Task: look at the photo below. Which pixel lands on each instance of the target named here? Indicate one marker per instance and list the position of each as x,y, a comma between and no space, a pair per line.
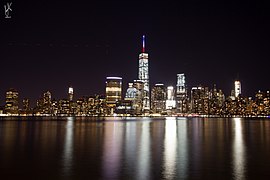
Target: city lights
141,100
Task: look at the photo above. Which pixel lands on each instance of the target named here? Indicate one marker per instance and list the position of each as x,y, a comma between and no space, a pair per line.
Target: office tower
198,97
26,104
144,75
12,101
47,102
170,102
158,98
237,88
63,106
113,90
181,94
70,93
216,100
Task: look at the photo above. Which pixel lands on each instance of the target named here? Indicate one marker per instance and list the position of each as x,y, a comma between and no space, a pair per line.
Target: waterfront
135,148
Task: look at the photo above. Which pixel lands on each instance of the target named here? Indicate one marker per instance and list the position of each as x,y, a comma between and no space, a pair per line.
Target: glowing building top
237,88
70,93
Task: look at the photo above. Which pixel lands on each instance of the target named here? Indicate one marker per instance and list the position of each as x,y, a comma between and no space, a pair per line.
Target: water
142,148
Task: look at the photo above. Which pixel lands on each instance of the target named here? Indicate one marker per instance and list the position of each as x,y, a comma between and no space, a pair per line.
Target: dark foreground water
142,148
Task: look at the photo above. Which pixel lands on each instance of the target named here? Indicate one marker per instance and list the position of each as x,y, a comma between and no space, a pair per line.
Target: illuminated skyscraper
144,75
158,98
47,102
70,93
26,104
12,102
181,94
196,99
113,90
237,88
170,102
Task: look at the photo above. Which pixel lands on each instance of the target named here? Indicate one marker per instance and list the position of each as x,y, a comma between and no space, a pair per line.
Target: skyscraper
198,97
70,93
113,90
47,102
158,98
237,88
144,75
170,102
12,102
181,94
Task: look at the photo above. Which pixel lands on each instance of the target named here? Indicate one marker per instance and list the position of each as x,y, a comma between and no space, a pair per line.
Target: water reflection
143,166
68,147
170,144
182,147
112,151
193,148
239,151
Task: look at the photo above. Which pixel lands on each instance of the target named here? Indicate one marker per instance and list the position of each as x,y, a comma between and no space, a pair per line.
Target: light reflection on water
239,151
144,156
170,145
135,148
68,147
182,148
112,154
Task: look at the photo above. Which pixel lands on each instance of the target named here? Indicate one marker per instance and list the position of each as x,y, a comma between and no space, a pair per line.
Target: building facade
181,94
237,88
113,92
144,76
158,98
12,101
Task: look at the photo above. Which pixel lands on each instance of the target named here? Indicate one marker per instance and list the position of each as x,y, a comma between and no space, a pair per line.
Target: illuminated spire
143,43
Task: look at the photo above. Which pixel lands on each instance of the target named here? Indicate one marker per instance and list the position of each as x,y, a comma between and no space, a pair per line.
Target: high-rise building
26,104
144,75
158,98
47,102
181,94
113,90
12,101
170,102
70,93
198,103
237,88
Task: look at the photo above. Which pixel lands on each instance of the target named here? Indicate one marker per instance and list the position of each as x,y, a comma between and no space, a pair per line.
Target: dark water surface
135,148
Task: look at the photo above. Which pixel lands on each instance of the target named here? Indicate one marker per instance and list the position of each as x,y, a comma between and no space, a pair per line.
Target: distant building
170,102
12,101
138,104
158,98
47,103
63,106
135,94
181,94
198,96
216,100
124,108
131,92
237,88
144,76
70,93
113,91
26,105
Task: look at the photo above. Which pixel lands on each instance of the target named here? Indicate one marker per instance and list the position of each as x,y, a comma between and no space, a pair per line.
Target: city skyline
211,43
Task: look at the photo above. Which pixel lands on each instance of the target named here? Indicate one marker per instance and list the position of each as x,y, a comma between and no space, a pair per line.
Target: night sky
49,45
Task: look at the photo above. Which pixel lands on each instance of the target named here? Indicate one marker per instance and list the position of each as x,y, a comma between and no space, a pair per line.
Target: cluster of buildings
140,100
